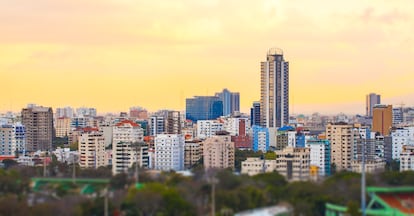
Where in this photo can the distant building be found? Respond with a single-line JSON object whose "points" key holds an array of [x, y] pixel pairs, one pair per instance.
{"points": [[231, 101], [320, 155], [274, 90], [12, 139], [138, 113], [193, 152], [218, 152], [208, 128], [203, 108], [260, 138], [65, 112], [382, 119], [92, 150], [128, 147], [371, 100], [293, 163], [62, 126], [173, 123], [156, 125], [253, 166], [39, 128], [169, 152], [343, 140], [397, 115], [255, 113], [86, 112]]}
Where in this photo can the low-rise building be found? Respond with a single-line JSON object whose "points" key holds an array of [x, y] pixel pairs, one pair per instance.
{"points": [[253, 166], [293, 163]]}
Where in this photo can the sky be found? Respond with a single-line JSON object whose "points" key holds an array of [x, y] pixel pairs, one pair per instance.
{"points": [[115, 54]]}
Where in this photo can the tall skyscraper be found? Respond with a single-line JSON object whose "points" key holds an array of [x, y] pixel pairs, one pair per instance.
{"points": [[371, 100], [382, 119], [39, 127], [274, 90], [203, 108], [231, 101]]}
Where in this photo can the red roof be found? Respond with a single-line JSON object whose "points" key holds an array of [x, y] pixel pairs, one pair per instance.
{"points": [[403, 201], [123, 122]]}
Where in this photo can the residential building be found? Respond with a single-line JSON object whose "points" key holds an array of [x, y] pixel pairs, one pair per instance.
{"points": [[397, 115], [92, 150], [38, 122], [173, 123], [371, 100], [231, 101], [62, 126], [156, 125], [193, 152], [138, 113], [169, 152], [232, 125], [342, 137], [382, 119], [407, 158], [399, 138], [65, 112], [260, 138], [293, 163], [203, 108], [128, 146], [253, 166], [12, 139], [218, 152], [320, 155], [274, 90], [208, 128]]}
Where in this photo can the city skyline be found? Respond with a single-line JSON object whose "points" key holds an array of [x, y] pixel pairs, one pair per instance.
{"points": [[116, 54]]}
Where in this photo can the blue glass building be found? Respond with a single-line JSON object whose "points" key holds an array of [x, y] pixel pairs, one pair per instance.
{"points": [[203, 108], [231, 101]]}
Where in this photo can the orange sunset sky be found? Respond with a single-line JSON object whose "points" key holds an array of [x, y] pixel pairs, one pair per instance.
{"points": [[114, 54]]}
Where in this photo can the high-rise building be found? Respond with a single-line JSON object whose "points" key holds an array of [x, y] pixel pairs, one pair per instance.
{"points": [[193, 152], [371, 100], [343, 138], [274, 90], [62, 126], [169, 152], [255, 113], [203, 108], [231, 101], [397, 115], [320, 155], [173, 123], [127, 146], [156, 125], [38, 121], [92, 150], [218, 152], [260, 138], [382, 119]]}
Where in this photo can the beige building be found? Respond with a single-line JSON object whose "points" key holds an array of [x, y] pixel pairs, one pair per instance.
{"points": [[382, 119], [293, 163], [253, 166], [92, 150], [371, 166], [343, 138], [173, 122], [218, 152], [39, 127], [407, 158], [193, 152], [62, 126]]}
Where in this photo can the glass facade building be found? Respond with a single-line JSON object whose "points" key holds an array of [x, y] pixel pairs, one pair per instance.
{"points": [[203, 108]]}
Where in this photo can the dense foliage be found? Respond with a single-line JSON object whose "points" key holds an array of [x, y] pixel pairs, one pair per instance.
{"points": [[173, 194]]}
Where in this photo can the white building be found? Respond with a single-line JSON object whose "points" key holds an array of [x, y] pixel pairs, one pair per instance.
{"points": [[127, 137], [92, 150], [401, 137], [231, 125], [208, 128], [320, 155], [169, 152], [12, 139], [407, 158], [156, 125]]}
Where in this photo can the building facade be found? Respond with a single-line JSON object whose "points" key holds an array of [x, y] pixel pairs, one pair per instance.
{"points": [[169, 152], [231, 101], [218, 152], [274, 90], [173, 123], [382, 119], [371, 100], [260, 138], [320, 155], [293, 163], [208, 128], [203, 108], [343, 138], [255, 113], [12, 139], [92, 150], [38, 122], [62, 126], [193, 152]]}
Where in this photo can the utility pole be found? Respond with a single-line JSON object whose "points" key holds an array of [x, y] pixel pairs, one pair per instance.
{"points": [[363, 197], [106, 201]]}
